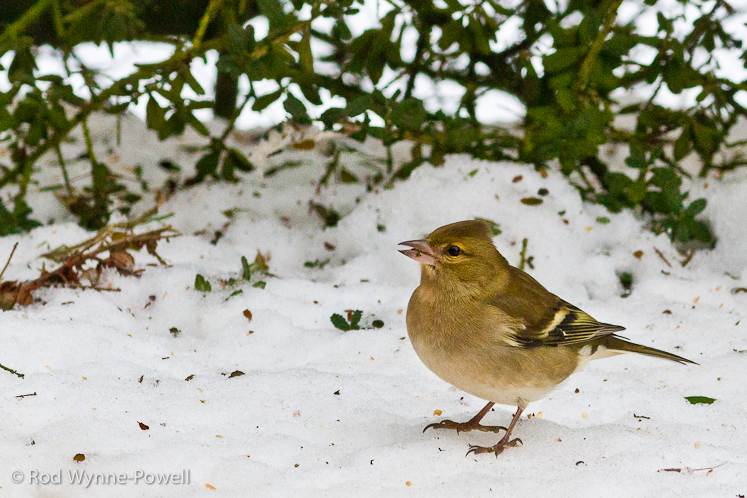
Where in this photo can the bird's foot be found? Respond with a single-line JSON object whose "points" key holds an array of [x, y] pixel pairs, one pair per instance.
{"points": [[464, 426], [497, 448]]}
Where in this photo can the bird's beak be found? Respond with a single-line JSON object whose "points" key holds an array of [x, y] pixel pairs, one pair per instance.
{"points": [[420, 252]]}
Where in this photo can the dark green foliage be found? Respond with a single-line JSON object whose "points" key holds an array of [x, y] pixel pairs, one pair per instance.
{"points": [[351, 324], [16, 221], [328, 215], [626, 282], [563, 73], [234, 293], [316, 263], [258, 267], [201, 284], [657, 189]]}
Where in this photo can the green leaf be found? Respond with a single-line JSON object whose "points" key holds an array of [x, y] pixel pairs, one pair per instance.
{"points": [[702, 232], [682, 144], [626, 282], [235, 293], [240, 162], [295, 108], [235, 38], [311, 92], [700, 400], [451, 33], [246, 269], [22, 67], [201, 284], [347, 177], [359, 105], [305, 57], [562, 58], [696, 207], [155, 115], [355, 319], [332, 116], [409, 114], [273, 11], [603, 220], [16, 221], [259, 285], [198, 125], [190, 80], [260, 103], [228, 169], [208, 164], [339, 322]]}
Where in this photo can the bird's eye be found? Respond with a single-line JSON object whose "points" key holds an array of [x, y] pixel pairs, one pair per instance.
{"points": [[454, 251]]}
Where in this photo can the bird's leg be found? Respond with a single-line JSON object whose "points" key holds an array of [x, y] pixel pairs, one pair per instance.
{"points": [[504, 442], [472, 425]]}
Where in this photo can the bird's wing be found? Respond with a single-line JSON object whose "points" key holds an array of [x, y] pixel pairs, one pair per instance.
{"points": [[543, 318]]}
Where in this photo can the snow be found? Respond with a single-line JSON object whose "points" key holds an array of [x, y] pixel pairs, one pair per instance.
{"points": [[322, 412]]}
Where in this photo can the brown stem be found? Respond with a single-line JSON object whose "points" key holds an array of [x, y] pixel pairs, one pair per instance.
{"points": [[8, 262]]}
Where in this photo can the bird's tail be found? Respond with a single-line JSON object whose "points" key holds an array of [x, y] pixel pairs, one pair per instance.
{"points": [[616, 343]]}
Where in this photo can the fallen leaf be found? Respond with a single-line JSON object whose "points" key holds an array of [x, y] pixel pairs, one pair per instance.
{"points": [[531, 201], [304, 145]]}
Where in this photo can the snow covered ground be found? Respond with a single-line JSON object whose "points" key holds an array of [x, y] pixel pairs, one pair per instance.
{"points": [[323, 412]]}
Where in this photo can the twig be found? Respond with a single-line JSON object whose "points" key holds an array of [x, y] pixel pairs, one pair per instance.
{"points": [[14, 30], [64, 169], [661, 255], [91, 287], [113, 239], [586, 66], [99, 175], [687, 259], [687, 470], [236, 115], [26, 395], [422, 44], [523, 254], [211, 10], [20, 375], [8, 262]]}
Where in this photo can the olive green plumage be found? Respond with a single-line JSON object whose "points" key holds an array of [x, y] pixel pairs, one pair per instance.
{"points": [[495, 332]]}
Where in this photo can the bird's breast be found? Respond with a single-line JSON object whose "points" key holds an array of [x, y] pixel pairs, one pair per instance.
{"points": [[460, 345]]}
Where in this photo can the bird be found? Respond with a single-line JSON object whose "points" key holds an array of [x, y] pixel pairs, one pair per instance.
{"points": [[493, 331]]}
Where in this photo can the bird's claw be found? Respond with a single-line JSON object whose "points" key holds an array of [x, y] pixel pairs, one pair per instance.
{"points": [[464, 426], [497, 449]]}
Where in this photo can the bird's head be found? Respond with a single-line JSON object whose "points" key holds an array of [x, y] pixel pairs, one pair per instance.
{"points": [[460, 252]]}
